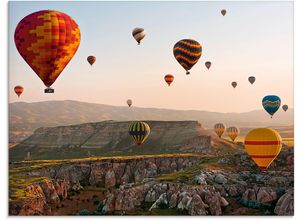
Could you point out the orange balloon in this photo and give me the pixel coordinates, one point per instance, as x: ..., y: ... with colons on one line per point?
x: 169, y: 79
x: 19, y: 90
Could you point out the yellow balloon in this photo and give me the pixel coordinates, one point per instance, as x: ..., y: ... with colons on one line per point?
x: 233, y: 132
x: 263, y: 145
x: 219, y: 129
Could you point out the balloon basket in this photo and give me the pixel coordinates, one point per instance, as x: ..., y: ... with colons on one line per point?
x: 49, y: 90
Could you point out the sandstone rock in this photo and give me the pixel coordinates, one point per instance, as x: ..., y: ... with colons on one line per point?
x: 221, y: 179
x: 161, y: 201
x: 173, y: 200
x: 110, y: 179
x: 49, y: 191
x: 266, y: 194
x: 77, y: 187
x: 197, y: 206
x: 150, y: 197
x: 215, y: 205
x: 249, y: 194
x: 285, y: 204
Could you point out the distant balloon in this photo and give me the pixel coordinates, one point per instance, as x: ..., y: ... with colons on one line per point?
x: 271, y: 104
x: 91, y: 60
x: 234, y: 84
x: 139, y: 131
x: 19, y: 90
x: 233, y: 132
x: 138, y: 34
x: 285, y: 107
x: 251, y: 79
x: 129, y: 102
x: 263, y: 145
x: 208, y: 64
x: 169, y: 79
x: 223, y: 12
x: 47, y: 40
x: 187, y: 52
x: 219, y: 129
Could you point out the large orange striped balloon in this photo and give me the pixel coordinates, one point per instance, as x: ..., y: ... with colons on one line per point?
x: 187, y: 52
x: 47, y: 40
x: 169, y: 79
x: 19, y: 90
x: 233, y: 132
x: 263, y: 145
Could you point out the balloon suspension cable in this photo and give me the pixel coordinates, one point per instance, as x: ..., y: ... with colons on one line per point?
x: 139, y: 42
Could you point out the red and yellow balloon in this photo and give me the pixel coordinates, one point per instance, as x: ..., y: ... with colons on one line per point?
x: 47, y: 40
x: 263, y: 145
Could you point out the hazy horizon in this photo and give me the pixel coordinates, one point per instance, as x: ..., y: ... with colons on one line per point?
x: 245, y: 42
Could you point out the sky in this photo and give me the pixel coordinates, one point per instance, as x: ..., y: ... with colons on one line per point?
x: 253, y: 38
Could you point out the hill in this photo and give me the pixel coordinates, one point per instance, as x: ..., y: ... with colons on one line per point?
x: 24, y: 118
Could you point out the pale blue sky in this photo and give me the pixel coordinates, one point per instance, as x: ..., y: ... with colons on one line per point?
x: 254, y: 38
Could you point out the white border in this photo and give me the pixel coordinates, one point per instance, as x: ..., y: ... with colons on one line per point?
x: 4, y: 119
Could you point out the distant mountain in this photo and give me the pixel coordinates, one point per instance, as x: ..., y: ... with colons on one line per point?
x: 24, y: 118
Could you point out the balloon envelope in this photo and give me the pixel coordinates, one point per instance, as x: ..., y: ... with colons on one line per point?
x: 169, y: 79
x: 263, y: 145
x: 187, y: 52
x: 19, y: 90
x: 251, y: 79
x: 223, y: 12
x: 234, y: 84
x: 138, y: 34
x: 139, y: 131
x: 47, y: 40
x: 233, y: 132
x: 129, y: 102
x: 271, y: 104
x: 208, y: 64
x: 219, y: 129
x: 285, y: 107
x: 91, y: 60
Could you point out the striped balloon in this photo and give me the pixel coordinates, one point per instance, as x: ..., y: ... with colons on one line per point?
x: 91, y: 60
x: 187, y: 52
x: 138, y: 34
x: 219, y: 129
x: 169, y: 79
x: 19, y: 90
x: 233, y: 132
x: 271, y: 104
x: 139, y: 131
x: 263, y: 145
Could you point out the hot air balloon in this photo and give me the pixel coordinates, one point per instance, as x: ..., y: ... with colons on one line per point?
x: 263, y: 145
x: 169, y: 79
x: 233, y: 132
x: 91, y: 60
x: 129, y: 102
x: 223, y: 12
x: 285, y: 107
x: 19, y: 90
x: 139, y: 131
x: 208, y: 64
x: 271, y: 104
x: 219, y: 129
x: 187, y: 52
x: 251, y: 79
x: 47, y: 40
x: 138, y: 34
x: 234, y: 84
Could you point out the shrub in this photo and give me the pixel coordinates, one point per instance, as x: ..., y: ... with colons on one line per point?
x: 84, y: 212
